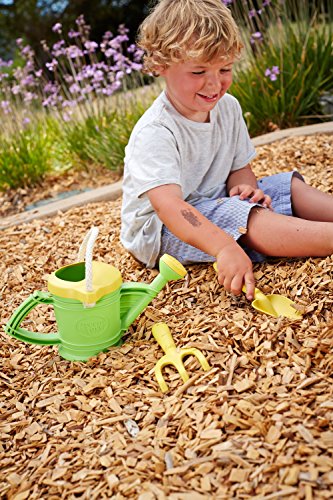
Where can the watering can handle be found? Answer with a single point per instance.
(85, 253)
(13, 329)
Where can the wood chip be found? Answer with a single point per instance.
(257, 425)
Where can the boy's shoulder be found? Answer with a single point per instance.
(157, 113)
(229, 101)
(162, 118)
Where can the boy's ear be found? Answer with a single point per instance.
(160, 70)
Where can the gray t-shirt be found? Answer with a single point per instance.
(167, 148)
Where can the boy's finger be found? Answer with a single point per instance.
(258, 196)
(246, 193)
(236, 285)
(234, 191)
(249, 285)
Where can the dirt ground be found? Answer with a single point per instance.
(258, 425)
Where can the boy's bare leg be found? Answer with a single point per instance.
(283, 236)
(310, 203)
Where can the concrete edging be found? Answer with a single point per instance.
(113, 191)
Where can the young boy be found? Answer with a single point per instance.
(188, 186)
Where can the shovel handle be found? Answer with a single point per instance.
(163, 337)
(258, 294)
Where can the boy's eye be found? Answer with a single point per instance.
(198, 72)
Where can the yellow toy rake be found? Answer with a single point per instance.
(173, 355)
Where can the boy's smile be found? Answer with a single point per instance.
(194, 87)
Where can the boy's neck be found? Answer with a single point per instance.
(194, 118)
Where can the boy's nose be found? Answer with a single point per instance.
(214, 82)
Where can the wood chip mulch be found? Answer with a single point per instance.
(258, 425)
(14, 201)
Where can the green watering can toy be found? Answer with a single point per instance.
(92, 305)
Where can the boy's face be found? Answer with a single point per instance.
(194, 87)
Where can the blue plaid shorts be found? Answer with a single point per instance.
(231, 215)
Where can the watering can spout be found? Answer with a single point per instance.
(134, 297)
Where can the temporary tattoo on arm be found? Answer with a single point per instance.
(191, 218)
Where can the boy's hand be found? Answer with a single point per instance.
(234, 270)
(255, 195)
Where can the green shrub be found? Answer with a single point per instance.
(298, 44)
(25, 158)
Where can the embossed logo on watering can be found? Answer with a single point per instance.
(95, 326)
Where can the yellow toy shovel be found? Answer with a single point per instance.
(273, 305)
(173, 355)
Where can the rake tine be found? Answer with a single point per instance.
(173, 356)
(187, 351)
(179, 365)
(159, 377)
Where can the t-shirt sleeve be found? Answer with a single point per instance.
(244, 149)
(152, 159)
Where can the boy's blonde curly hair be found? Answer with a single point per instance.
(178, 30)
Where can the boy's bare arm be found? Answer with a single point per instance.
(189, 225)
(243, 183)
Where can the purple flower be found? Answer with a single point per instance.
(16, 89)
(122, 30)
(73, 51)
(80, 21)
(87, 89)
(256, 37)
(73, 34)
(57, 48)
(74, 88)
(108, 90)
(66, 116)
(27, 51)
(110, 52)
(29, 96)
(4, 64)
(44, 45)
(272, 73)
(266, 2)
(98, 76)
(5, 107)
(51, 66)
(57, 28)
(138, 55)
(107, 35)
(136, 66)
(69, 104)
(50, 101)
(90, 46)
(50, 88)
(28, 80)
(119, 75)
(252, 13)
(227, 2)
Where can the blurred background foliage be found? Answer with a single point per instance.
(71, 88)
(32, 20)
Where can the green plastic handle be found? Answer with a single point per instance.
(13, 325)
